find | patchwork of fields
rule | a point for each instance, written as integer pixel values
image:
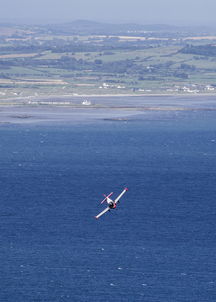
(34, 63)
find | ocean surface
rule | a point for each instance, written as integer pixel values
(159, 245)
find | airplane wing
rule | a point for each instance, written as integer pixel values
(122, 193)
(103, 212)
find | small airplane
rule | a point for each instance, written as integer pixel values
(111, 203)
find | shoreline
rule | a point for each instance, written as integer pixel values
(69, 109)
(177, 95)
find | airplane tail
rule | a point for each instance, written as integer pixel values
(106, 197)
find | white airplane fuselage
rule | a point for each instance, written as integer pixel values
(111, 203)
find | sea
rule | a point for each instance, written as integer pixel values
(159, 245)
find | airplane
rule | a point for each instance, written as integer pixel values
(111, 203)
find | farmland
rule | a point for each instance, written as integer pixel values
(98, 60)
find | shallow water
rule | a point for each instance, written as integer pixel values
(160, 243)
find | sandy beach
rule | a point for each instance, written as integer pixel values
(119, 108)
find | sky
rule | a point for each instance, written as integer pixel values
(173, 12)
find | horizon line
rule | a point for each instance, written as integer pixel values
(44, 22)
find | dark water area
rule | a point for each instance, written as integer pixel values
(159, 245)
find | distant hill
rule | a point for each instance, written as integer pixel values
(91, 27)
(86, 27)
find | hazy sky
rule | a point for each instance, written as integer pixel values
(174, 12)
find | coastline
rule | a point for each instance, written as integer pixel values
(69, 109)
(107, 96)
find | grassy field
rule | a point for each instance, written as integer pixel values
(158, 68)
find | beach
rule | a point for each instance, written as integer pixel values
(120, 108)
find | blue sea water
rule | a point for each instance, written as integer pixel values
(159, 245)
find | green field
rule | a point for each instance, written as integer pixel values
(80, 64)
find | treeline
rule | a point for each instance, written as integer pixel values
(73, 64)
(64, 46)
(92, 44)
(203, 50)
(128, 66)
